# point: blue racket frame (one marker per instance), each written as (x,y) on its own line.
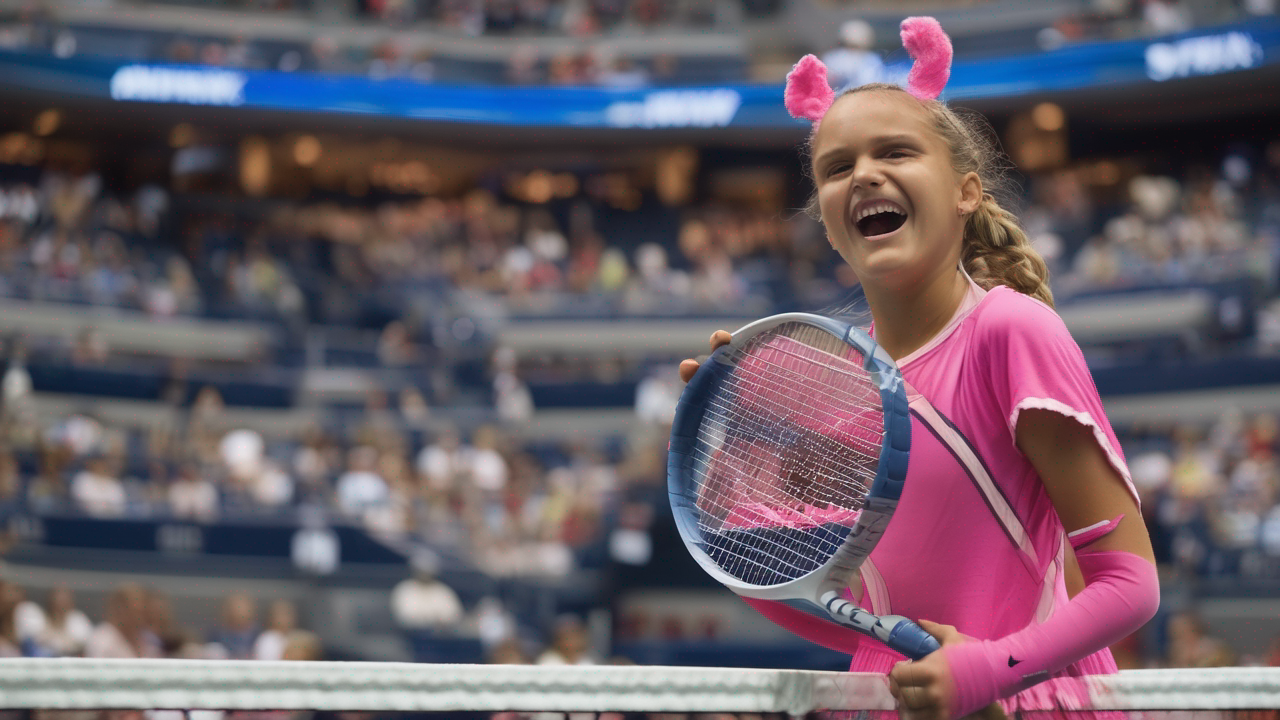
(819,591)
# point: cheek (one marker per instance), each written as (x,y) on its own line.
(830,203)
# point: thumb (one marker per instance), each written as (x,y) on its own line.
(945,634)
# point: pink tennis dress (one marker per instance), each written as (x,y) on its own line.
(975,541)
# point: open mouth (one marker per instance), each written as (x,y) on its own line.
(881,223)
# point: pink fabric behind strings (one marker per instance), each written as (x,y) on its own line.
(819,421)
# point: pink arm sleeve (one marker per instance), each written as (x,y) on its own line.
(1121,594)
(815,630)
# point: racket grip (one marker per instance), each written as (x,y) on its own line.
(909,638)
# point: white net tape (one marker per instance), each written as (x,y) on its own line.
(69,683)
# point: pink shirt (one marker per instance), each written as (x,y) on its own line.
(975,541)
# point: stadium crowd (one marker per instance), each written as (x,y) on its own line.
(589,24)
(66,239)
(139,622)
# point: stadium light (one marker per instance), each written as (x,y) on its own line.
(182,135)
(1048,117)
(307,150)
(47,122)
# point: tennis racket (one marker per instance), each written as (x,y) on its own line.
(788,455)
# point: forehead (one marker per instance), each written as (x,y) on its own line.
(861,116)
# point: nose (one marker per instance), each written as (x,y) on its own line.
(866,174)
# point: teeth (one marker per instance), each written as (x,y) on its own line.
(878,207)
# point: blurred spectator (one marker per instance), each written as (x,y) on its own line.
(193,496)
(494,623)
(512,400)
(238,629)
(423,602)
(18,418)
(282,621)
(175,641)
(90,347)
(361,488)
(124,633)
(441,463)
(488,467)
(242,453)
(1165,17)
(854,62)
(379,427)
(508,652)
(570,644)
(29,620)
(97,491)
(395,346)
(1190,646)
(657,395)
(302,645)
(272,487)
(414,411)
(67,629)
(10,645)
(315,548)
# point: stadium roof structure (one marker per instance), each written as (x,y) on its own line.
(1175,76)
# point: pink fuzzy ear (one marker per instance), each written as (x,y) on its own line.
(930,48)
(808,95)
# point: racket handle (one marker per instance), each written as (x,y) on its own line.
(895,631)
(907,637)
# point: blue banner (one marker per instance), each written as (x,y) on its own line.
(1209,51)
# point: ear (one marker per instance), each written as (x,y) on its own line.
(970,193)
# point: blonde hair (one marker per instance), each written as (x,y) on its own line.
(995,248)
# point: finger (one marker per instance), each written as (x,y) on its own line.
(900,673)
(687,369)
(992,712)
(921,699)
(944,633)
(720,337)
(914,674)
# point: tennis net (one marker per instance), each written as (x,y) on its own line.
(384,689)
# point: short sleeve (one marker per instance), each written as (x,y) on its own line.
(1034,363)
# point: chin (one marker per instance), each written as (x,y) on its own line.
(889,268)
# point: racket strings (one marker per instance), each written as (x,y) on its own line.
(795,438)
(763,372)
(800,551)
(807,458)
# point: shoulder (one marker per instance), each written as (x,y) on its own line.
(1006,315)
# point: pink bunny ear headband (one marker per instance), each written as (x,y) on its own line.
(809,96)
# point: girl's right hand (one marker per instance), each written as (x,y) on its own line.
(689,367)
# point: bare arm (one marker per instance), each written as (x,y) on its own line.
(1083,486)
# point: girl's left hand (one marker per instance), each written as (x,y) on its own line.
(924,688)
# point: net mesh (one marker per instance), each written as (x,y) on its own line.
(789,450)
(54,686)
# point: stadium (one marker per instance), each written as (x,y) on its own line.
(349,330)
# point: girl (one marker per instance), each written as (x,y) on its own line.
(1013,462)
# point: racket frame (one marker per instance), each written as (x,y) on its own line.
(818,592)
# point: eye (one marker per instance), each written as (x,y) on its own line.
(897,153)
(837,168)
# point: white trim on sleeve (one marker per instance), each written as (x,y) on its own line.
(1084,418)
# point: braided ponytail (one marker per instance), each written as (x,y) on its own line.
(996,252)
